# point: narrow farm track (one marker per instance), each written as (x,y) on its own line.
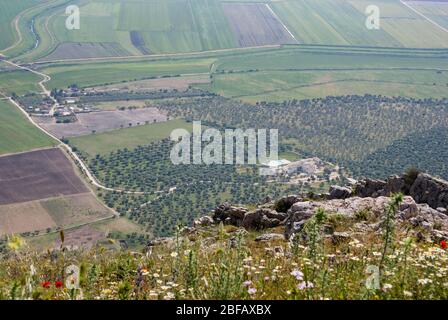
(423,16)
(16,25)
(84,168)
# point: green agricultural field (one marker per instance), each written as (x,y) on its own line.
(19,82)
(85,75)
(284,85)
(299,73)
(17,133)
(35,43)
(406,26)
(436,11)
(312,58)
(130,138)
(147,26)
(342,22)
(8,12)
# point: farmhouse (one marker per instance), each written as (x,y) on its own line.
(274,167)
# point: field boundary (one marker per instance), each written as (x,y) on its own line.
(161,55)
(281,22)
(424,16)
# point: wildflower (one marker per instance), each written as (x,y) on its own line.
(443,244)
(247,283)
(32,270)
(387,286)
(58,284)
(251,291)
(266,278)
(169,296)
(174,254)
(46,284)
(156,275)
(15,243)
(297,274)
(153,294)
(424,281)
(144,272)
(407,293)
(106,292)
(305,285)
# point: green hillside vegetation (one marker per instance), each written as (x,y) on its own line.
(342,130)
(426,151)
(198,188)
(17,133)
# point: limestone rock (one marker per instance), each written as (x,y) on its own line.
(369,188)
(270,237)
(337,192)
(285,203)
(262,219)
(229,214)
(204,221)
(430,190)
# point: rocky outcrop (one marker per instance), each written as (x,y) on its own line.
(285,203)
(229,215)
(270,237)
(263,219)
(204,221)
(337,192)
(430,190)
(418,215)
(369,188)
(300,212)
(423,188)
(259,219)
(424,209)
(376,188)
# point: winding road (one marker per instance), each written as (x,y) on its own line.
(84,168)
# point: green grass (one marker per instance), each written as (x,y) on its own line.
(8,11)
(284,85)
(312,57)
(188,268)
(166,26)
(342,22)
(438,12)
(17,133)
(26,49)
(406,26)
(288,155)
(310,71)
(130,138)
(112,72)
(19,82)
